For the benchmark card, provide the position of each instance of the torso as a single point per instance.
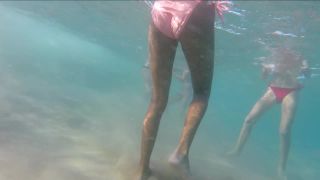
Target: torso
(287, 67)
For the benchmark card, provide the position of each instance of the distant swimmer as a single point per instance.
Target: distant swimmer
(182, 75)
(185, 94)
(147, 77)
(189, 23)
(282, 67)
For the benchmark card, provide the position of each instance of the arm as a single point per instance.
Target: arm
(267, 69)
(305, 70)
(147, 65)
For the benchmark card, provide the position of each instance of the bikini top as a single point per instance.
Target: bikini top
(272, 71)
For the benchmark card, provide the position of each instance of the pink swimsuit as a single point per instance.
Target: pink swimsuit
(281, 92)
(171, 16)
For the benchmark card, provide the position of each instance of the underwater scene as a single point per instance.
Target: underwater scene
(84, 97)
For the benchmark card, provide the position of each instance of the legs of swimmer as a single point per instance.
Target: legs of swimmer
(198, 49)
(266, 101)
(162, 51)
(288, 110)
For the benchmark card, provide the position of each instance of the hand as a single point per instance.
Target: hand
(223, 6)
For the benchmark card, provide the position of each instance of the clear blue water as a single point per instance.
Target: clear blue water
(72, 95)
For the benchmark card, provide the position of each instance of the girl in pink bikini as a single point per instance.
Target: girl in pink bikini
(191, 23)
(284, 67)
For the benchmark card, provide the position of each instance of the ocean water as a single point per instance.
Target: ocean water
(73, 96)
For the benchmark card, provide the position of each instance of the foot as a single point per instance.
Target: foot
(143, 175)
(181, 164)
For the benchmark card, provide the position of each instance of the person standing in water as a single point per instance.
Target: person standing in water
(283, 66)
(190, 23)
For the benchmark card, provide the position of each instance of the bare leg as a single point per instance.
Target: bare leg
(260, 107)
(198, 46)
(162, 51)
(287, 116)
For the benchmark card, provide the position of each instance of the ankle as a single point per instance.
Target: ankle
(183, 152)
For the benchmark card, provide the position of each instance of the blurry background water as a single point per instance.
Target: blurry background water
(72, 95)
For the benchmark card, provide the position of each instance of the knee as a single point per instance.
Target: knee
(155, 112)
(284, 131)
(249, 122)
(199, 103)
(201, 98)
(202, 93)
(158, 105)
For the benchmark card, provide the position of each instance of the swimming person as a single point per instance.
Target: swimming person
(184, 77)
(191, 23)
(146, 77)
(186, 90)
(284, 66)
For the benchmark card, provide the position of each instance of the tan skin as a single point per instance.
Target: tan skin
(197, 42)
(288, 66)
